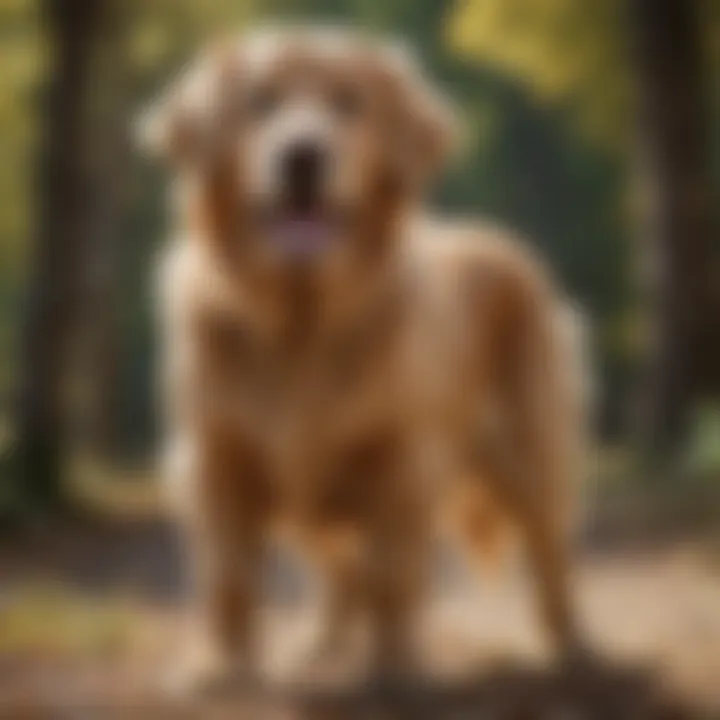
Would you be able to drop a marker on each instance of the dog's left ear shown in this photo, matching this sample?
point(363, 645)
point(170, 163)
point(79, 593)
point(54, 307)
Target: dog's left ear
point(425, 123)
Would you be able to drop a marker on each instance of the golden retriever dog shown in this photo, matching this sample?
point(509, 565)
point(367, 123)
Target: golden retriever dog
point(334, 357)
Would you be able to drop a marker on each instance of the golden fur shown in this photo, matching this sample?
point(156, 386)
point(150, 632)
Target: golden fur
point(351, 398)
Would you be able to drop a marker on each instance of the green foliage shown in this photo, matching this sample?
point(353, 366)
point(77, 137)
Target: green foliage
point(569, 51)
point(21, 60)
point(702, 456)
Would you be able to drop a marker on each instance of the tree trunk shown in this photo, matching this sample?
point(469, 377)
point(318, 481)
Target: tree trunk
point(673, 139)
point(102, 311)
point(61, 224)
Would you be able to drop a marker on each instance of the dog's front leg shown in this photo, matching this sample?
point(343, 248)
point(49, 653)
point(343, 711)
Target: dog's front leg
point(398, 570)
point(222, 523)
point(222, 644)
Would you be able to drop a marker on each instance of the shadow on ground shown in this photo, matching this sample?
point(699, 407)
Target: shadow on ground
point(514, 693)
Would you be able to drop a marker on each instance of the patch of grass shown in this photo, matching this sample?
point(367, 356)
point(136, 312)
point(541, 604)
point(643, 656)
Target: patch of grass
point(53, 620)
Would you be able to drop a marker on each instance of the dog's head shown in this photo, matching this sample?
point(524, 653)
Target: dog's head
point(304, 144)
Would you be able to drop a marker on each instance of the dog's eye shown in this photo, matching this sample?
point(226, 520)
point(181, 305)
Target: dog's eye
point(261, 102)
point(347, 102)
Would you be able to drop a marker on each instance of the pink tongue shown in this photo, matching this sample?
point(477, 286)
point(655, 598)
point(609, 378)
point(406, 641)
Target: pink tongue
point(301, 236)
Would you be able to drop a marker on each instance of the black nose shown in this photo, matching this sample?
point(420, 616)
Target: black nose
point(303, 167)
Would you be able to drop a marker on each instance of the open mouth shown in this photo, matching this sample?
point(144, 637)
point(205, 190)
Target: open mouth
point(303, 234)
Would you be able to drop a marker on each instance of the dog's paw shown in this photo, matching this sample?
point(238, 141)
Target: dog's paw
point(579, 657)
point(395, 676)
point(205, 677)
point(319, 659)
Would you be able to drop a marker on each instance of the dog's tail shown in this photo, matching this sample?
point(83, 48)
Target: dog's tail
point(478, 522)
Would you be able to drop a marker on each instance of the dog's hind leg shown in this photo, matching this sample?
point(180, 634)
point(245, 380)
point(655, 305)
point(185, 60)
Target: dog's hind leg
point(541, 524)
point(398, 581)
point(532, 463)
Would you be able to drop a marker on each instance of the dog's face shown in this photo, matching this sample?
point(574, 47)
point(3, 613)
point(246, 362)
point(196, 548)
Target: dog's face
point(313, 129)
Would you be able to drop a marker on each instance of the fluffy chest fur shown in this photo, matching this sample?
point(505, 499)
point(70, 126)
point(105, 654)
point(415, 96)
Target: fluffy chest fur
point(302, 399)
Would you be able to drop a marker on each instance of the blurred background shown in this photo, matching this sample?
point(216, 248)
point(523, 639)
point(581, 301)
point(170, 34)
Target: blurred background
point(591, 126)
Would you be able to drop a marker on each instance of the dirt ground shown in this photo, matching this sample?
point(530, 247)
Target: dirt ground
point(90, 616)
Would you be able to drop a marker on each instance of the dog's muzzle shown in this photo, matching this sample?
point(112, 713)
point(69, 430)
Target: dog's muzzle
point(303, 172)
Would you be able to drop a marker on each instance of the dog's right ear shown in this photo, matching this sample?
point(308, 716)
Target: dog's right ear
point(180, 126)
